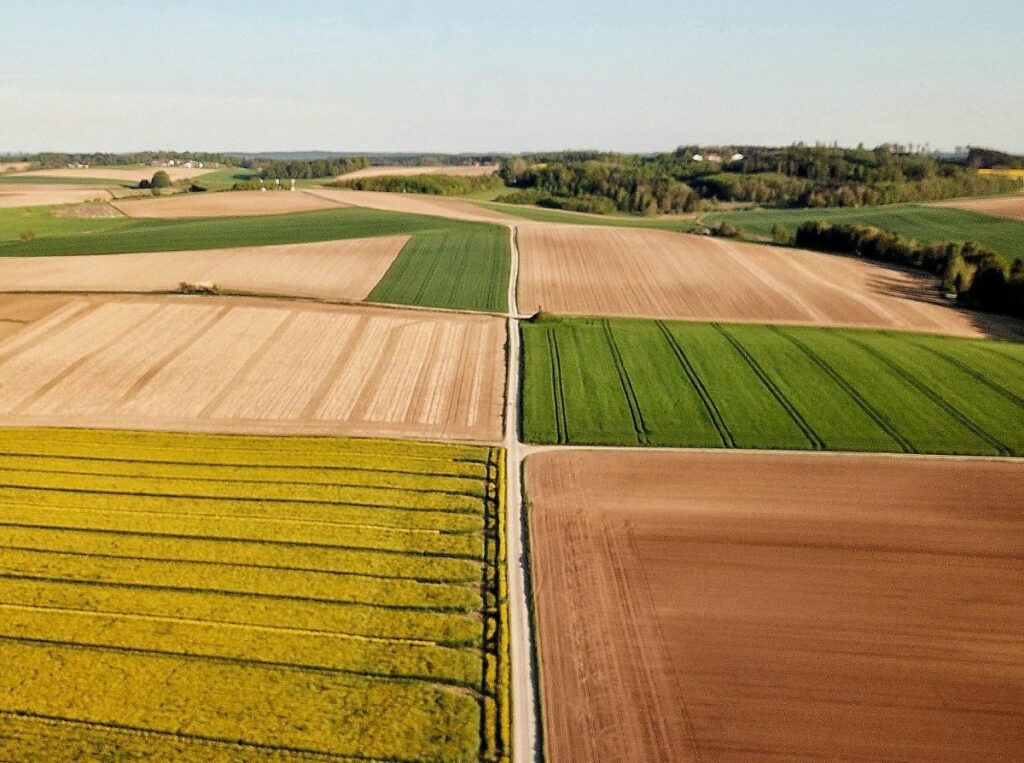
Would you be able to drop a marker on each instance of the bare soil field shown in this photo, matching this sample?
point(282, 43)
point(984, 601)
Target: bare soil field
point(586, 270)
point(417, 204)
point(127, 174)
point(14, 166)
point(389, 171)
point(1006, 206)
point(733, 607)
point(225, 204)
point(46, 195)
point(249, 366)
point(336, 270)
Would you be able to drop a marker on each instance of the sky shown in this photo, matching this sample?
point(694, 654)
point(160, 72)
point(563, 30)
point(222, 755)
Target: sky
point(479, 76)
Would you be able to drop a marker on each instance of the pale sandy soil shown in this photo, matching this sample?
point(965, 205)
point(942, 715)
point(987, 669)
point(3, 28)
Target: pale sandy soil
point(1009, 206)
point(736, 607)
point(389, 171)
point(341, 270)
point(126, 174)
point(585, 270)
point(14, 166)
point(250, 365)
point(417, 204)
point(30, 195)
point(225, 204)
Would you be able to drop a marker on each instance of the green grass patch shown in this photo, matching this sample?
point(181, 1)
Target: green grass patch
point(630, 382)
point(337, 596)
point(1005, 237)
point(41, 221)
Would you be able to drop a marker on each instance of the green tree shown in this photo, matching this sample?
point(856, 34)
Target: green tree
point(780, 235)
point(160, 180)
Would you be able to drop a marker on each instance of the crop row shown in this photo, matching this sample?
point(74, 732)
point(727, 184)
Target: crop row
point(630, 382)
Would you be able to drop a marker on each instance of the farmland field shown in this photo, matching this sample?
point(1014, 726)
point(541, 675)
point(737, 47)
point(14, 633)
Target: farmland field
point(1011, 207)
point(252, 366)
point(415, 204)
point(226, 204)
point(119, 173)
point(16, 195)
point(223, 598)
point(475, 257)
point(340, 270)
point(924, 223)
point(728, 606)
point(579, 270)
point(623, 382)
point(542, 215)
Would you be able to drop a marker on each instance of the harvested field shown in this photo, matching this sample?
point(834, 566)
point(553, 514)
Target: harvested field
point(25, 195)
point(389, 171)
point(340, 270)
point(416, 204)
point(14, 166)
point(225, 204)
point(219, 598)
point(587, 270)
point(124, 174)
point(732, 607)
point(1011, 207)
point(254, 366)
point(632, 382)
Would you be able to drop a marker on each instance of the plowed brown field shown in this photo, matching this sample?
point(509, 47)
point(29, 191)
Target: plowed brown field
point(340, 270)
point(1009, 206)
point(736, 607)
point(245, 365)
point(31, 195)
point(417, 204)
point(389, 171)
point(127, 174)
point(225, 204)
point(584, 270)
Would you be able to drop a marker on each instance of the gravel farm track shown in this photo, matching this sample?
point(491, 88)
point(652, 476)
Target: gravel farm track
point(689, 606)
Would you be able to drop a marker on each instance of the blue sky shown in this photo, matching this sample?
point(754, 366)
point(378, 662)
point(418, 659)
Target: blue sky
point(454, 75)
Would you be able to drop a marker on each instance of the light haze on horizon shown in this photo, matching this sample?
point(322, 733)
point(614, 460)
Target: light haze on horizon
point(462, 76)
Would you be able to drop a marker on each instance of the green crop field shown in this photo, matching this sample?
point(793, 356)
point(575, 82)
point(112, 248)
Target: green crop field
point(638, 382)
point(209, 597)
point(447, 263)
point(43, 180)
point(467, 270)
point(1006, 237)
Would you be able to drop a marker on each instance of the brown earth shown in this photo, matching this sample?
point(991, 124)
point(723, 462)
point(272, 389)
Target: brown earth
point(338, 270)
point(92, 211)
point(225, 204)
point(586, 270)
point(388, 171)
point(1008, 206)
point(736, 607)
point(127, 174)
point(249, 366)
point(417, 204)
point(31, 195)
point(14, 166)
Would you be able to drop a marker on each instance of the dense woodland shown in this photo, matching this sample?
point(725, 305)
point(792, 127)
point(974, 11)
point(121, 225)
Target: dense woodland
point(437, 185)
point(793, 176)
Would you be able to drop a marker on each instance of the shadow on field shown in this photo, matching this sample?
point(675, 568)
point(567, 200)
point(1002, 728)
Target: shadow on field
point(922, 287)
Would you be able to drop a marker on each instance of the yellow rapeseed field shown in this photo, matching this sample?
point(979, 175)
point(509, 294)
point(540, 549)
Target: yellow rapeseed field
point(219, 598)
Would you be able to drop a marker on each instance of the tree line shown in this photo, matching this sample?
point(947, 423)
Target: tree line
point(794, 176)
point(437, 185)
point(979, 277)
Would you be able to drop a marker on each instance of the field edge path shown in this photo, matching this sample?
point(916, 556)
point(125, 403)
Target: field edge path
point(525, 748)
